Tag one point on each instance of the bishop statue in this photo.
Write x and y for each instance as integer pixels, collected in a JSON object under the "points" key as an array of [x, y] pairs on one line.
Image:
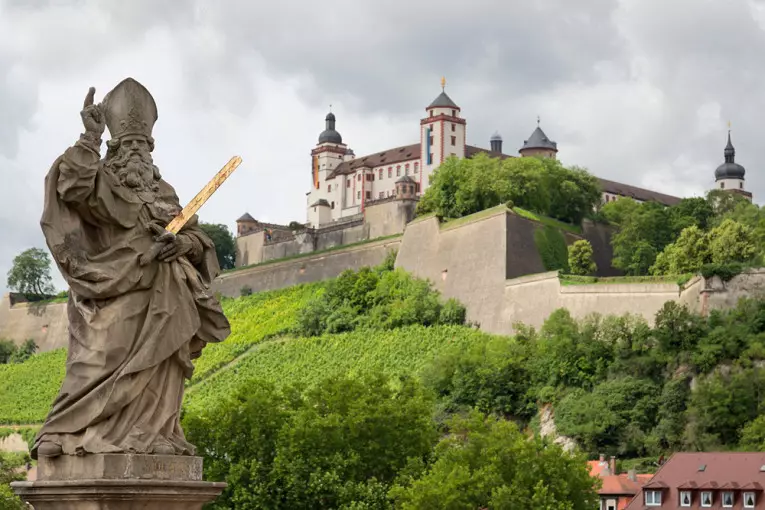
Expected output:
{"points": [[136, 322]]}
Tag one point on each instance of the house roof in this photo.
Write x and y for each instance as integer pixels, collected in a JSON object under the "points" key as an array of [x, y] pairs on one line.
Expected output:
{"points": [[718, 471], [620, 484]]}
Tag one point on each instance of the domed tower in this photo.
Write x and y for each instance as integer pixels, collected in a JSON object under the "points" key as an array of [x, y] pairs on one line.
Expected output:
{"points": [[539, 145], [495, 142], [730, 175], [330, 151], [442, 134]]}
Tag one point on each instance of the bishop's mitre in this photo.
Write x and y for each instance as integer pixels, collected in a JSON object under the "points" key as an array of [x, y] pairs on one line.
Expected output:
{"points": [[129, 110]]}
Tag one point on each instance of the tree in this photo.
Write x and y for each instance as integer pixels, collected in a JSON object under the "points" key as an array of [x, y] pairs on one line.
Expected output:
{"points": [[730, 242], [30, 273], [580, 258], [488, 463], [9, 472], [7, 350], [686, 255], [339, 444], [225, 245]]}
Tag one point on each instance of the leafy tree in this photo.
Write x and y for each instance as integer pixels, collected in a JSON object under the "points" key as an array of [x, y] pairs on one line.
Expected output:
{"points": [[30, 273], [7, 350], [225, 245], [9, 472], [23, 352], [464, 186], [686, 255], [731, 241], [340, 444], [489, 463], [580, 259]]}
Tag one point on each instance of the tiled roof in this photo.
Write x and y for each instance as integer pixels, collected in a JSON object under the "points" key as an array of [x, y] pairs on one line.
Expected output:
{"points": [[443, 101], [245, 217], [388, 157], [539, 140], [706, 470], [645, 195], [409, 152]]}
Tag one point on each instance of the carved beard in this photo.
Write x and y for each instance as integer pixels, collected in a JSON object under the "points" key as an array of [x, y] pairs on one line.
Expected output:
{"points": [[135, 170]]}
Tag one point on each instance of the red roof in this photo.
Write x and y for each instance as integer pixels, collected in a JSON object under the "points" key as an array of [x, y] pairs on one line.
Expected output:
{"points": [[736, 471]]}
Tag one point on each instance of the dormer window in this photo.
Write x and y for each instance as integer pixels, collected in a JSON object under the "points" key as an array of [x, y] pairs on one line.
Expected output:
{"points": [[706, 499], [685, 498], [652, 498], [727, 499], [749, 500]]}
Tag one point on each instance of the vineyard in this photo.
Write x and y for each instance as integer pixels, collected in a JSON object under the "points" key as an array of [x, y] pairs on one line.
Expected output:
{"points": [[397, 352], [27, 389], [254, 318]]}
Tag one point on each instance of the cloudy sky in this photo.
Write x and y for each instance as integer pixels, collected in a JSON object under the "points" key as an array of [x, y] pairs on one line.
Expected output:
{"points": [[638, 91]]}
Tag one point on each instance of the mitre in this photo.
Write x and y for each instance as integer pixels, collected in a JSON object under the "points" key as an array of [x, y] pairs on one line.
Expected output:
{"points": [[129, 110]]}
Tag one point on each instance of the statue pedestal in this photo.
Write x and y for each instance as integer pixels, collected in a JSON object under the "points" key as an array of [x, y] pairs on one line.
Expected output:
{"points": [[118, 482]]}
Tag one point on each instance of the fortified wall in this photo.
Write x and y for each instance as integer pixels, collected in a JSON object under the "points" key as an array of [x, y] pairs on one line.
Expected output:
{"points": [[489, 261]]}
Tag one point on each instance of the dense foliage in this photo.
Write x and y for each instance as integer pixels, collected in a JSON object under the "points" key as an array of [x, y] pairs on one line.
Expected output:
{"points": [[12, 353], [720, 229], [376, 298], [225, 245], [30, 273], [543, 185], [11, 465], [339, 444], [27, 389], [580, 258], [487, 462]]}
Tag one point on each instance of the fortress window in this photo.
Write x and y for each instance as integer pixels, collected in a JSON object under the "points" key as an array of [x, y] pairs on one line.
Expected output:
{"points": [[416, 167], [359, 177], [454, 128], [369, 195], [348, 183], [454, 114], [454, 140], [381, 174], [333, 204], [390, 172], [740, 185], [329, 188], [358, 195], [406, 169], [398, 171], [722, 185]]}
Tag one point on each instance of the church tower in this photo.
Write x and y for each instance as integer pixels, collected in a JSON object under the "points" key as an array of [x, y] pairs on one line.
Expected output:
{"points": [[442, 134], [329, 152], [729, 176], [539, 145]]}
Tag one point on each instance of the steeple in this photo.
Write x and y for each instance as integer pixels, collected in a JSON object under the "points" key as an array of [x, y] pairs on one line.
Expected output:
{"points": [[730, 151], [538, 144], [729, 176], [330, 135]]}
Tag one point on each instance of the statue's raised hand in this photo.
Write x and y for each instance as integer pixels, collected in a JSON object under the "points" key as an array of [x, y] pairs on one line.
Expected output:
{"points": [[92, 115]]}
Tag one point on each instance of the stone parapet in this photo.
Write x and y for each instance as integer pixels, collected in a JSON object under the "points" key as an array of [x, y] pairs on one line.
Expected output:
{"points": [[119, 482]]}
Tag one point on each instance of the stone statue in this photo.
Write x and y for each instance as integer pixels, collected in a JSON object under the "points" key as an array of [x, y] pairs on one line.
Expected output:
{"points": [[134, 325]]}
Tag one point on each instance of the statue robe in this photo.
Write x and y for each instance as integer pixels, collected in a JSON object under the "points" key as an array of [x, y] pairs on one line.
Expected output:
{"points": [[132, 330]]}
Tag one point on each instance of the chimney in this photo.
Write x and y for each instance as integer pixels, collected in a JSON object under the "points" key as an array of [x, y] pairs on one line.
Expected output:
{"points": [[632, 475], [613, 465]]}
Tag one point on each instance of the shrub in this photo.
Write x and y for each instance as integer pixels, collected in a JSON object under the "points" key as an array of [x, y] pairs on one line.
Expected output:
{"points": [[580, 258]]}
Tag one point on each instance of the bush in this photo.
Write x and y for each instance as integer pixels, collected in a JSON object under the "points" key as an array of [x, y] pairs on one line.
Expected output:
{"points": [[580, 260], [725, 271]]}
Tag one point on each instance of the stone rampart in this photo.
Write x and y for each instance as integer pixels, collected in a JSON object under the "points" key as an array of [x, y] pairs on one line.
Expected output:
{"points": [[46, 324]]}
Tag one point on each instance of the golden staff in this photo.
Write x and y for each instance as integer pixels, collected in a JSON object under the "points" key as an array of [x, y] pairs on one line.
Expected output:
{"points": [[192, 207]]}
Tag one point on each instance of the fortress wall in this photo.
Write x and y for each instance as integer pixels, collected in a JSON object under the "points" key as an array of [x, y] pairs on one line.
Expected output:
{"points": [[389, 216], [466, 261], [249, 249], [46, 324], [332, 237], [311, 268]]}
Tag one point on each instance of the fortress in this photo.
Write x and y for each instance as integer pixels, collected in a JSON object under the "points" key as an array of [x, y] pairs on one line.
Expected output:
{"points": [[361, 209], [353, 199]]}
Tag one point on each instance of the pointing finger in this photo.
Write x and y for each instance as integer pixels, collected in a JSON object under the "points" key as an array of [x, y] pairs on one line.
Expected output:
{"points": [[89, 97]]}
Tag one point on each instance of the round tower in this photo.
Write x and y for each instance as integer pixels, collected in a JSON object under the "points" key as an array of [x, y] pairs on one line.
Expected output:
{"points": [[729, 176], [539, 145], [496, 143]]}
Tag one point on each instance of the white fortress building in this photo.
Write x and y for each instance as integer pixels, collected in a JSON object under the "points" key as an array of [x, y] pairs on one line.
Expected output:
{"points": [[344, 185]]}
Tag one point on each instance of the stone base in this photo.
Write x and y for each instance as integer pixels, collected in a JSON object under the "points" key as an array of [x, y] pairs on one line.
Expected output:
{"points": [[119, 482]]}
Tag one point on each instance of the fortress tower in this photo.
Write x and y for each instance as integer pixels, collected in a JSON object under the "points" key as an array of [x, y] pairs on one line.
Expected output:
{"points": [[729, 176], [329, 152], [539, 145], [442, 134]]}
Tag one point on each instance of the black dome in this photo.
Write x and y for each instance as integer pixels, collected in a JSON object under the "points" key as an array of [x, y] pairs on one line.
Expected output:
{"points": [[730, 169], [329, 135]]}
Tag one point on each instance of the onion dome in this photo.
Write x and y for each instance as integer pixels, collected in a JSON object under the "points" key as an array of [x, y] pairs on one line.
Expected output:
{"points": [[730, 169], [330, 135]]}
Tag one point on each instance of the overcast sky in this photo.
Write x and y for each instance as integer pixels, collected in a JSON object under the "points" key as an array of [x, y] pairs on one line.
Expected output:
{"points": [[638, 91]]}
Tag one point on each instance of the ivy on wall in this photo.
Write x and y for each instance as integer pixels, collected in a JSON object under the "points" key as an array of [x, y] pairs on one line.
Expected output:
{"points": [[552, 248]]}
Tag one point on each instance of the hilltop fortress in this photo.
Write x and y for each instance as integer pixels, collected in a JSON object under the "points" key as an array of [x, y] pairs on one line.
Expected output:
{"points": [[361, 209]]}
